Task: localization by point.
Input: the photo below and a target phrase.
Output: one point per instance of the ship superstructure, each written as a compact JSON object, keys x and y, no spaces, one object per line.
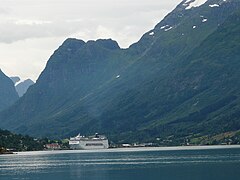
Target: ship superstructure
{"x":91,"y":142}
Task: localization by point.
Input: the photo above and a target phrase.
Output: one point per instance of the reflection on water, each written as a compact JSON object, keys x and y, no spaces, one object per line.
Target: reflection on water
{"x":123,"y":164}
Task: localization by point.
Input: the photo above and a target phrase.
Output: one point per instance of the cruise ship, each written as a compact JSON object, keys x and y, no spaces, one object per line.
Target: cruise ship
{"x":92,"y":142}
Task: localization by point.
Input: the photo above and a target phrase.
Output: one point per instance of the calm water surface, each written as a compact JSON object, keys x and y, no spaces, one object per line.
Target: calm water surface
{"x":216,"y":163}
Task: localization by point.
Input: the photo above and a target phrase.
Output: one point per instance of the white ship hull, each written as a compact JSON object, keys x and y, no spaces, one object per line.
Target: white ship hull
{"x":88,"y":143}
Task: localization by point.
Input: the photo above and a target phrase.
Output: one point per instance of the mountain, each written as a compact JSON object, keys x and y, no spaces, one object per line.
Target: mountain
{"x":15,"y":79}
{"x":179,"y":80}
{"x":8,"y":94}
{"x":22,"y":87}
{"x":72,"y":71}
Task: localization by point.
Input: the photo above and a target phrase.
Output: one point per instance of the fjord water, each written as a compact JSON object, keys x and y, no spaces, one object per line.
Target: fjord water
{"x":155,"y":163}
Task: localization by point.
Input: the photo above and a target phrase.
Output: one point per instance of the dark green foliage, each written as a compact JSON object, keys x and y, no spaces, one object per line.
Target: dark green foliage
{"x":18,"y":142}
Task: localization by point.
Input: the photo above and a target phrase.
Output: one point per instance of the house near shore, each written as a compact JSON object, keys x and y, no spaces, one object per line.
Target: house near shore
{"x":53,"y":146}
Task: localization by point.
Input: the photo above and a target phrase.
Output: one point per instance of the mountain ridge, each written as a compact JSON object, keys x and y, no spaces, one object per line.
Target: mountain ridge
{"x":158,"y":87}
{"x":7,"y":91}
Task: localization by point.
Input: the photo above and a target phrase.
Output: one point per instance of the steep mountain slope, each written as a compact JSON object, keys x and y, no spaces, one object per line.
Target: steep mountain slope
{"x":8,"y":94}
{"x":72,"y":72}
{"x":181,"y":78}
{"x":22,"y":87}
{"x":209,"y":77}
{"x":199,"y":96}
{"x":15,"y":79}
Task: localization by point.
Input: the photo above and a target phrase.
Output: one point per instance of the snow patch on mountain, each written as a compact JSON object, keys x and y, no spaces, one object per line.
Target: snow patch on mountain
{"x":163,"y":27}
{"x":151,"y":33}
{"x":213,"y":5}
{"x":168,"y":29}
{"x":196,"y":3}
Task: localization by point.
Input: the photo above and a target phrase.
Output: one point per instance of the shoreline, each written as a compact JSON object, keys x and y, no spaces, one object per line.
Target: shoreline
{"x":138,"y":149}
{"x":6,"y":153}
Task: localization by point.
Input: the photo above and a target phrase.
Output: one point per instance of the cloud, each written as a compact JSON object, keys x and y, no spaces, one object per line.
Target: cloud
{"x":23,"y":29}
{"x":27,"y":58}
{"x":31,"y":30}
{"x":4,"y":11}
{"x":31,"y":22}
{"x":51,"y":19}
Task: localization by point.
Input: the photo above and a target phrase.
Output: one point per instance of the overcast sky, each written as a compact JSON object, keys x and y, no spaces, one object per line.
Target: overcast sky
{"x":31,"y":30}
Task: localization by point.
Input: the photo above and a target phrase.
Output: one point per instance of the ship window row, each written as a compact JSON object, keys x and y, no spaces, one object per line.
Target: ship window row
{"x":94,"y":144}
